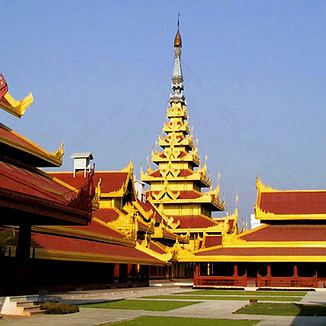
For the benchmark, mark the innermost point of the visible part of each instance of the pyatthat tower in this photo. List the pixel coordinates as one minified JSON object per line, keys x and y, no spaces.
{"x":177,"y":183}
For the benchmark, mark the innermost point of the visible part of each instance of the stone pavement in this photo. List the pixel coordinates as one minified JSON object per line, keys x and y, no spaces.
{"x":206,"y":309}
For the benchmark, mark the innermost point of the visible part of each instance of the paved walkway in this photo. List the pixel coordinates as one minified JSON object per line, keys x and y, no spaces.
{"x":206,"y":309}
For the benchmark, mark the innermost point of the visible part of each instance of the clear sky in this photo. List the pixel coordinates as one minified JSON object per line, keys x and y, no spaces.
{"x":100,"y":73}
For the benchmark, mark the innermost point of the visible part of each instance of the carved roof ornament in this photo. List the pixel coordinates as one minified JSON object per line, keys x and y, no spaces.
{"x":262,"y":188}
{"x":149,"y":170}
{"x":166,"y":191}
{"x":83,"y":199}
{"x":58,"y":154}
{"x":129,"y":168}
{"x":14,"y":107}
{"x":3,"y":86}
{"x":97,"y":196}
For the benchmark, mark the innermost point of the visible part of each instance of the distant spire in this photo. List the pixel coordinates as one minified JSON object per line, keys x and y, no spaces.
{"x":177,"y":77}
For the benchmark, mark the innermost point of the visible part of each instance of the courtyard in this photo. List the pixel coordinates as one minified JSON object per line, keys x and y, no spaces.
{"x":183,"y":306}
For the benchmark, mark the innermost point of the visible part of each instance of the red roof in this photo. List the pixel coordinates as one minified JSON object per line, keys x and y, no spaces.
{"x":293,"y":202}
{"x":211,"y":241}
{"x":168,"y":234}
{"x":142,"y":226}
{"x":4,"y":101}
{"x":181,"y":155}
{"x":110,"y":181}
{"x":276,"y":251}
{"x":155,"y":247}
{"x":147,"y":207}
{"x":231,"y":224}
{"x":183,"y":173}
{"x":156,"y":174}
{"x":288,"y":233}
{"x":189,"y":194}
{"x":33,"y":191}
{"x":106,"y":214}
{"x":194,"y":221}
{"x":32,"y":183}
{"x":79,"y":249}
{"x":3,"y":87}
{"x":97,"y":228}
{"x":25,"y":147}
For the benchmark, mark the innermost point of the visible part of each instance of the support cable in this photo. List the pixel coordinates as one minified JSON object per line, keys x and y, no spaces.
{"x":141,"y":111}
{"x":118,"y":109}
{"x":226,"y":113}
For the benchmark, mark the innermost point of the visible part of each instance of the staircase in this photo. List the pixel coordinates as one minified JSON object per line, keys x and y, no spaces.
{"x":21,"y":306}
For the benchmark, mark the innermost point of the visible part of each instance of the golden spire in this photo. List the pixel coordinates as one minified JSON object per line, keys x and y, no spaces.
{"x":177,"y":39}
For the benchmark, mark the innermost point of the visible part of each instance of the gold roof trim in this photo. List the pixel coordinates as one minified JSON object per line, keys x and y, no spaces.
{"x":16,"y":108}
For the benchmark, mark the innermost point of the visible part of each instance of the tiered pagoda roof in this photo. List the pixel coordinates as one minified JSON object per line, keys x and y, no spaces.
{"x":177,"y":183}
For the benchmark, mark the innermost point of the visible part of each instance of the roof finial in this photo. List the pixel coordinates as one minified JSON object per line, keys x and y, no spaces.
{"x":177,"y":78}
{"x":177,"y":39}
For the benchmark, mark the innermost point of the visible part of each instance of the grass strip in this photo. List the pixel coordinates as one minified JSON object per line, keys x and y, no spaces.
{"x":140,"y":305}
{"x":241,"y":292}
{"x":283,"y":309}
{"x":177,"y":321}
{"x":220,"y":297}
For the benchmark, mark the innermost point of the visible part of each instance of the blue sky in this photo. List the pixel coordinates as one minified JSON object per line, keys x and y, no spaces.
{"x":100,"y":73}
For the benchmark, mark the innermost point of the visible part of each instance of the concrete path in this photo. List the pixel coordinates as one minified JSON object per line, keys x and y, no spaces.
{"x":207,"y":309}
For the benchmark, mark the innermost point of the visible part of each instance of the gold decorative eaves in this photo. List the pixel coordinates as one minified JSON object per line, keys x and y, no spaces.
{"x":149,"y":170}
{"x":129,"y":168}
{"x":147,"y":215}
{"x":16,"y":108}
{"x":172,"y":152}
{"x":262,"y":188}
{"x":192,"y":156}
{"x":232,"y":239}
{"x":176,"y":125}
{"x":182,"y":254}
{"x":58,"y":154}
{"x":177,"y":111}
{"x":166,"y":194}
{"x":97,"y":196}
{"x":161,"y":257}
{"x":170,"y":170}
{"x":201,"y":175}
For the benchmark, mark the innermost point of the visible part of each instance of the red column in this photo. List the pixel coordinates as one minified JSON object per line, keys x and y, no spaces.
{"x":269,"y":271}
{"x":295,"y":271}
{"x":196,"y":274}
{"x":235,"y":273}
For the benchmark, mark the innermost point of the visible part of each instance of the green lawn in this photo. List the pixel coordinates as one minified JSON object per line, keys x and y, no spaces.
{"x":242,"y":292}
{"x":283,"y":309}
{"x":172,"y":321}
{"x":140,"y":305}
{"x":220,"y":297}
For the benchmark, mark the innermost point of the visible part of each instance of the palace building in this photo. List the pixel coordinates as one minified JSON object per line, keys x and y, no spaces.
{"x":29,"y":196}
{"x":91,"y":229}
{"x":177,"y":182}
{"x":287,"y":250}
